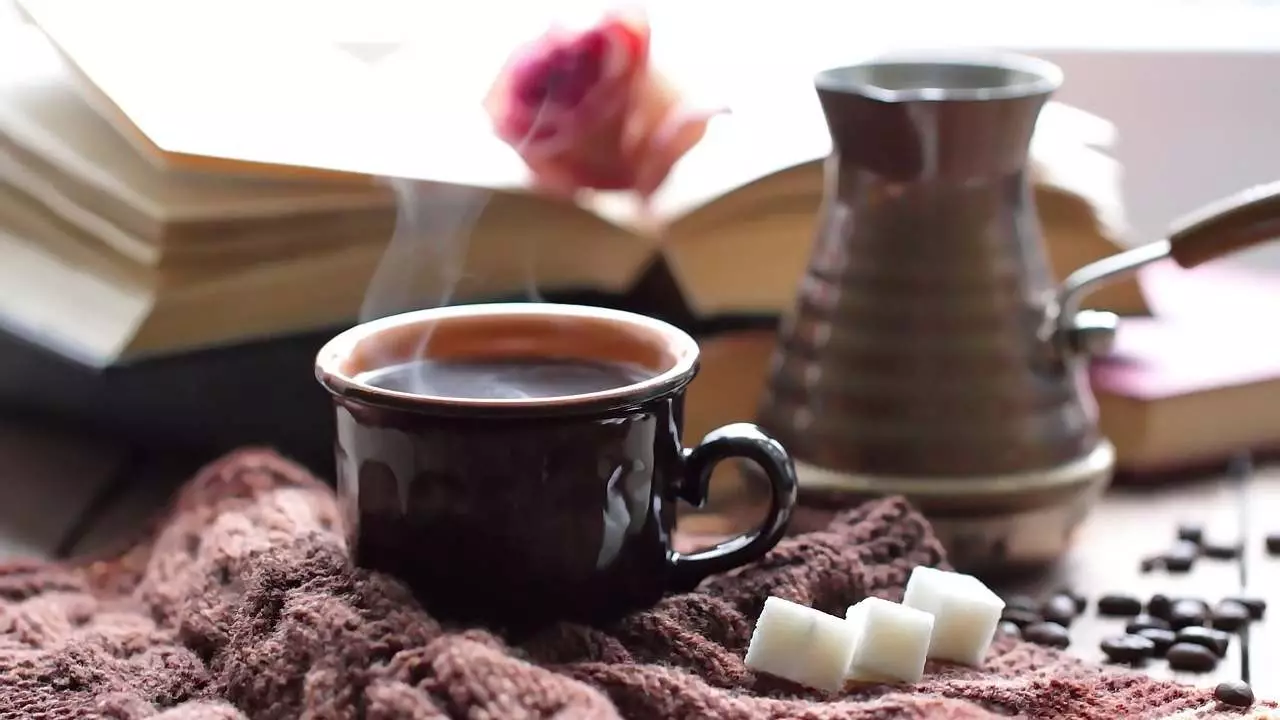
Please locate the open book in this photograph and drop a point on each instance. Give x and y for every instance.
(154, 207)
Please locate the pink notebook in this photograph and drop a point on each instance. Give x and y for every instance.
(1211, 330)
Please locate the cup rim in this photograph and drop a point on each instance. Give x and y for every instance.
(329, 372)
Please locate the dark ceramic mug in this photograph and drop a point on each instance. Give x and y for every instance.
(519, 512)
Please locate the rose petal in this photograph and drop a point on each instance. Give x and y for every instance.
(568, 82)
(554, 180)
(683, 129)
(584, 110)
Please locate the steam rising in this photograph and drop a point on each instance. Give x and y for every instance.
(426, 258)
(425, 261)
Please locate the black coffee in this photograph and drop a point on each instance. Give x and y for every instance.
(504, 379)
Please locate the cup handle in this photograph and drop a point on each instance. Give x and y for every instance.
(739, 440)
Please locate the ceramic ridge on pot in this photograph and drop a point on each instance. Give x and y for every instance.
(915, 348)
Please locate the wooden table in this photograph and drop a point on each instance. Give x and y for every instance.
(1135, 522)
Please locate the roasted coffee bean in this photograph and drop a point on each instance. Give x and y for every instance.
(1022, 602)
(1050, 634)
(1235, 693)
(1220, 550)
(1010, 629)
(1188, 612)
(1159, 606)
(1060, 608)
(1160, 638)
(1118, 605)
(1082, 602)
(1191, 533)
(1180, 557)
(1190, 599)
(1145, 622)
(1273, 544)
(1257, 606)
(1127, 649)
(1191, 658)
(1229, 615)
(1214, 640)
(1021, 618)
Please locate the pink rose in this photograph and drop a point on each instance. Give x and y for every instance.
(585, 110)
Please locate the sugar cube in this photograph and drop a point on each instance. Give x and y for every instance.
(965, 613)
(800, 644)
(892, 640)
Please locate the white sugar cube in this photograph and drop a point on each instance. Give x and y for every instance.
(965, 613)
(800, 644)
(892, 641)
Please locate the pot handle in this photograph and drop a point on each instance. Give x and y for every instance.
(1220, 228)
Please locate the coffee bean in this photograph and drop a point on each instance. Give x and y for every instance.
(1220, 550)
(1127, 649)
(1189, 599)
(1191, 533)
(1192, 658)
(1235, 693)
(1180, 557)
(1060, 608)
(1119, 605)
(1021, 618)
(1273, 543)
(1187, 612)
(1146, 622)
(1050, 634)
(1229, 615)
(1022, 602)
(1257, 606)
(1010, 629)
(1080, 600)
(1161, 638)
(1159, 606)
(1214, 640)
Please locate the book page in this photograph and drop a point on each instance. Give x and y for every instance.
(394, 87)
(294, 84)
(386, 88)
(46, 118)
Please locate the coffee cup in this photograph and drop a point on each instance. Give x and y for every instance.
(521, 463)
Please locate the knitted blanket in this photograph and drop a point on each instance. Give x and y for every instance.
(241, 603)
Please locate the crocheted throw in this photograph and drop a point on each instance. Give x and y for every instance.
(242, 603)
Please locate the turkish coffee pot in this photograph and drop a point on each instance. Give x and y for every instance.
(930, 353)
